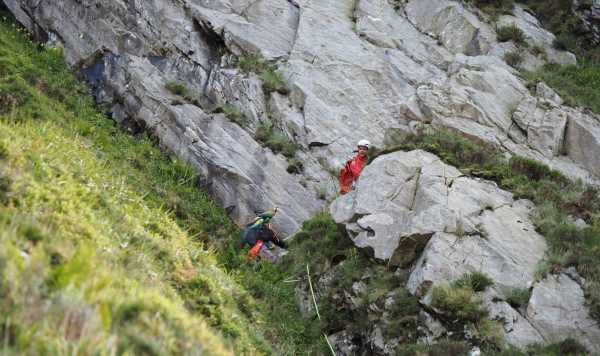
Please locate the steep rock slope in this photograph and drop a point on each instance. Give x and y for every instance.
(353, 69)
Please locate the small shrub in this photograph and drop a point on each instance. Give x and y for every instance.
(518, 297)
(511, 33)
(477, 281)
(177, 88)
(295, 166)
(513, 59)
(538, 51)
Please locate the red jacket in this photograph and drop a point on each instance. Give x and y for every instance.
(351, 172)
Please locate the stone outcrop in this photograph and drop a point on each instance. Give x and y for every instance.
(467, 224)
(411, 210)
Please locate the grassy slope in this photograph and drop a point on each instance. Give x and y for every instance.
(95, 255)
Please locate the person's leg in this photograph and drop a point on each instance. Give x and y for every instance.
(265, 253)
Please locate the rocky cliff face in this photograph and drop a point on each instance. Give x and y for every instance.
(369, 68)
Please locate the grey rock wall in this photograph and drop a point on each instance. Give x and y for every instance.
(354, 69)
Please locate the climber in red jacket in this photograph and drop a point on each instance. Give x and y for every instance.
(351, 171)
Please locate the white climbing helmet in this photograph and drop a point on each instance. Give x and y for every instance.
(365, 143)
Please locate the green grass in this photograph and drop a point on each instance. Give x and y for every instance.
(271, 79)
(234, 114)
(462, 309)
(458, 303)
(518, 297)
(578, 85)
(513, 58)
(556, 198)
(511, 33)
(477, 281)
(272, 137)
(180, 89)
(107, 244)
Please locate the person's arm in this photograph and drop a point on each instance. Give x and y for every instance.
(274, 239)
(279, 242)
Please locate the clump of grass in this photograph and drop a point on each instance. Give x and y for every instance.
(477, 281)
(539, 51)
(295, 166)
(234, 115)
(535, 170)
(513, 58)
(275, 139)
(271, 79)
(488, 333)
(180, 89)
(511, 33)
(518, 297)
(177, 88)
(458, 303)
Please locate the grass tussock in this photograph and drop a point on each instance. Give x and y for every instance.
(518, 297)
(477, 281)
(233, 114)
(511, 33)
(180, 89)
(462, 309)
(513, 58)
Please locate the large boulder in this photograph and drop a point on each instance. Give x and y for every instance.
(407, 201)
(557, 310)
(583, 140)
